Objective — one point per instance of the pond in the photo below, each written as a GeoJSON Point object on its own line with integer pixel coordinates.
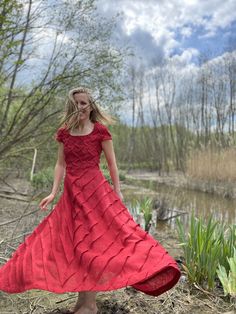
{"type": "Point", "coordinates": [174, 200]}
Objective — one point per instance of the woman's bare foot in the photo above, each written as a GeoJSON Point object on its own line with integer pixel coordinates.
{"type": "Point", "coordinates": [76, 306]}
{"type": "Point", "coordinates": [79, 302]}
{"type": "Point", "coordinates": [85, 309]}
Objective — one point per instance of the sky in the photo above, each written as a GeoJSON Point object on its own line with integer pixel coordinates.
{"type": "Point", "coordinates": [179, 30]}
{"type": "Point", "coordinates": [163, 29]}
{"type": "Point", "coordinates": [159, 29]}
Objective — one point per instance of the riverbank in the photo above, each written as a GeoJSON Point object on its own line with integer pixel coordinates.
{"type": "Point", "coordinates": [180, 180]}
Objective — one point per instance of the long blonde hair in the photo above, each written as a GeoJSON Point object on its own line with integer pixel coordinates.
{"type": "Point", "coordinates": [70, 117]}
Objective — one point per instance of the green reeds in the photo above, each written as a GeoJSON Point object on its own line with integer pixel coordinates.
{"type": "Point", "coordinates": [145, 208]}
{"type": "Point", "coordinates": [228, 245]}
{"type": "Point", "coordinates": [205, 247]}
{"type": "Point", "coordinates": [228, 279]}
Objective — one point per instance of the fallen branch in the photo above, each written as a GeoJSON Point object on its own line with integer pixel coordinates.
{"type": "Point", "coordinates": [16, 219]}
{"type": "Point", "coordinates": [19, 236]}
{"type": "Point", "coordinates": [174, 216]}
{"type": "Point", "coordinates": [17, 198]}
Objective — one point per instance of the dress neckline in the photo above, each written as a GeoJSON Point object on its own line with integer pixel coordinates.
{"type": "Point", "coordinates": [81, 135]}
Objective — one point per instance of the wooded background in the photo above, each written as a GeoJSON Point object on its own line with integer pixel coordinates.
{"type": "Point", "coordinates": [49, 47]}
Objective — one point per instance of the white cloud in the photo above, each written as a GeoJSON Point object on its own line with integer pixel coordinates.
{"type": "Point", "coordinates": [186, 57]}
{"type": "Point", "coordinates": [186, 32]}
{"type": "Point", "coordinates": [222, 17]}
{"type": "Point", "coordinates": [162, 19]}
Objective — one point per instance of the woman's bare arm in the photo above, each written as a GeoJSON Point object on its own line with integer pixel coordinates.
{"type": "Point", "coordinates": [58, 176]}
{"type": "Point", "coordinates": [59, 169]}
{"type": "Point", "coordinates": [108, 149]}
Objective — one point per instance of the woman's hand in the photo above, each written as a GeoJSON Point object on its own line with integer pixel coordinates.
{"type": "Point", "coordinates": [47, 200]}
{"type": "Point", "coordinates": [118, 192]}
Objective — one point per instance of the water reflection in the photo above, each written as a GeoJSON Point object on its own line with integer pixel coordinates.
{"type": "Point", "coordinates": [176, 199]}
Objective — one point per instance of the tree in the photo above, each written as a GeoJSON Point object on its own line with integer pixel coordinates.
{"type": "Point", "coordinates": [43, 56]}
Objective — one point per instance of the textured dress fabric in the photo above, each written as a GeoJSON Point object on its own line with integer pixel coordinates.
{"type": "Point", "coordinates": [89, 241]}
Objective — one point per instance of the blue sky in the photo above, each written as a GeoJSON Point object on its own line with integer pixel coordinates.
{"type": "Point", "coordinates": [158, 28]}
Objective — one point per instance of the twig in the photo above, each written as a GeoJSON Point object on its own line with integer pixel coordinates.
{"type": "Point", "coordinates": [19, 236]}
{"type": "Point", "coordinates": [4, 258]}
{"type": "Point", "coordinates": [17, 198]}
{"type": "Point", "coordinates": [204, 291]}
{"type": "Point", "coordinates": [64, 300]}
{"type": "Point", "coordinates": [11, 247]}
{"type": "Point", "coordinates": [14, 192]}
{"type": "Point", "coordinates": [6, 183]}
{"type": "Point", "coordinates": [174, 216]}
{"type": "Point", "coordinates": [14, 220]}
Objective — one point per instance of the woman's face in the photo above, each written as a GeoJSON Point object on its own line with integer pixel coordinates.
{"type": "Point", "coordinates": [83, 105]}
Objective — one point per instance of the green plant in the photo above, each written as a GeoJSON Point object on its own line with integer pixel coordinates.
{"type": "Point", "coordinates": [134, 208]}
{"type": "Point", "coordinates": [122, 175]}
{"type": "Point", "coordinates": [145, 207]}
{"type": "Point", "coordinates": [106, 172]}
{"type": "Point", "coordinates": [228, 280]}
{"type": "Point", "coordinates": [228, 245]}
{"type": "Point", "coordinates": [202, 250]}
{"type": "Point", "coordinates": [43, 178]}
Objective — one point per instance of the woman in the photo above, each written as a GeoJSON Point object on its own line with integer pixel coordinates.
{"type": "Point", "coordinates": [89, 242]}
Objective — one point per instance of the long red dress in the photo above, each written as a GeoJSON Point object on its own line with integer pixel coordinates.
{"type": "Point", "coordinates": [89, 241]}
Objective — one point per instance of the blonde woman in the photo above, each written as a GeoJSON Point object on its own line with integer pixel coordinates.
{"type": "Point", "coordinates": [89, 242]}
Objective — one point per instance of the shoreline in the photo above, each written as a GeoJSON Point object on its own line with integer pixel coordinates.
{"type": "Point", "coordinates": [180, 180]}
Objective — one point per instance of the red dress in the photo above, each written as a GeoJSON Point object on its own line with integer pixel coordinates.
{"type": "Point", "coordinates": [89, 241]}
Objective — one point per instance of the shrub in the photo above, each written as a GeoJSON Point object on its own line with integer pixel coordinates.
{"type": "Point", "coordinates": [43, 179]}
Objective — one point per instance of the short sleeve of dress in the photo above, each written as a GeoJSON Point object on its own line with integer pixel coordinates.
{"type": "Point", "coordinates": [59, 135]}
{"type": "Point", "coordinates": [105, 133]}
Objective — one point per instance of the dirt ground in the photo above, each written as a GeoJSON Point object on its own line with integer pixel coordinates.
{"type": "Point", "coordinates": [181, 299]}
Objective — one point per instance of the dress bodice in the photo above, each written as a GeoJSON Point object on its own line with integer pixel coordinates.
{"type": "Point", "coordinates": [83, 151]}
